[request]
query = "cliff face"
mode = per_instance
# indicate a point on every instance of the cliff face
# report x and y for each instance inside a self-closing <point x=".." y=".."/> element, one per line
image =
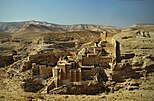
<point x="136" y="52"/>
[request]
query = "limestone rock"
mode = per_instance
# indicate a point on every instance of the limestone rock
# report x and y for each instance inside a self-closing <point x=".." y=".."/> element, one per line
<point x="122" y="71"/>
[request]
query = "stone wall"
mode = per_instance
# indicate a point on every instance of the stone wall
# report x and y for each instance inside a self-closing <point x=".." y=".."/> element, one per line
<point x="87" y="61"/>
<point x="45" y="58"/>
<point x="106" y="59"/>
<point x="105" y="36"/>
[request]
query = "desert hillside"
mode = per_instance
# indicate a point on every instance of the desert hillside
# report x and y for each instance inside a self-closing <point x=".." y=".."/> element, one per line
<point x="113" y="63"/>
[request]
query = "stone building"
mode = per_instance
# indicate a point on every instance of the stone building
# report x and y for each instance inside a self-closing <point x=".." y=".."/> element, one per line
<point x="86" y="65"/>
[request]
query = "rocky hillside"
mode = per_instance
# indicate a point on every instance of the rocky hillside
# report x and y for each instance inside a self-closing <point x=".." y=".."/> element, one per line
<point x="37" y="26"/>
<point x="136" y="45"/>
<point x="132" y="77"/>
<point x="35" y="36"/>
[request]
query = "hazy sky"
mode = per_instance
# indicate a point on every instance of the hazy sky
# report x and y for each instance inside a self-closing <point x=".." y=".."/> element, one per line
<point x="120" y="13"/>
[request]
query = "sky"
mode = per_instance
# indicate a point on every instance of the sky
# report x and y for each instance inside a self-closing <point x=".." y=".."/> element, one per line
<point x="119" y="13"/>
